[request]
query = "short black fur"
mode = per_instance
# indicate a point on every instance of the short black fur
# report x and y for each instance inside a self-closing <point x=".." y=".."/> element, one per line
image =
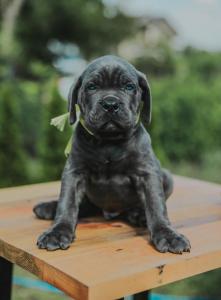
<point x="114" y="169"/>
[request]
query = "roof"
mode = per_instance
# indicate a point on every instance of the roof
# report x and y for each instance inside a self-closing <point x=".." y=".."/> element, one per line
<point x="144" y="22"/>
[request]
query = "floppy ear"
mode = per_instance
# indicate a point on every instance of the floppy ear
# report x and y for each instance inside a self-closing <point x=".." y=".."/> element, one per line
<point x="73" y="99"/>
<point x="146" y="98"/>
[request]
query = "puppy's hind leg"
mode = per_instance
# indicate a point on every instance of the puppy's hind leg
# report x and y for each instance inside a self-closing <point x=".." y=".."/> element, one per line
<point x="136" y="216"/>
<point x="45" y="210"/>
<point x="167" y="183"/>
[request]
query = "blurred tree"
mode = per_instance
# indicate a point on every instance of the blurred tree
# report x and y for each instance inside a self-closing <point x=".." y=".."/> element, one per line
<point x="186" y="120"/>
<point x="9" y="10"/>
<point x="31" y="109"/>
<point x="206" y="64"/>
<point x="53" y="157"/>
<point x="89" y="24"/>
<point x="158" y="61"/>
<point x="12" y="160"/>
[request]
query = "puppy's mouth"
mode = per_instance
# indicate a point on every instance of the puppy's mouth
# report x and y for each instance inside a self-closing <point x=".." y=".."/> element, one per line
<point x="110" y="130"/>
<point x="110" y="126"/>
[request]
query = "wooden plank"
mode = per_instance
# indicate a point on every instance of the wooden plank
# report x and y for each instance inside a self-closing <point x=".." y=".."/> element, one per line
<point x="110" y="260"/>
<point x="29" y="192"/>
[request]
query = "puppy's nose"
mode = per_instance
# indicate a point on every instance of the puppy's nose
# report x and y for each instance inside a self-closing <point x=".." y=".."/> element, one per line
<point x="110" y="104"/>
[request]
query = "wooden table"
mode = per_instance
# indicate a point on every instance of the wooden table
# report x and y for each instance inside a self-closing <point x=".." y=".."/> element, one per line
<point x="110" y="260"/>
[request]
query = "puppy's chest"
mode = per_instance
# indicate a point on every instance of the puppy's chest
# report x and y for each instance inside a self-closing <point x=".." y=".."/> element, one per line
<point x="109" y="183"/>
<point x="111" y="190"/>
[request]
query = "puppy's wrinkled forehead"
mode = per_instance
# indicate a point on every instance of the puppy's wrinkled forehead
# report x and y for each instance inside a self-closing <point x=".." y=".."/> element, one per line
<point x="108" y="72"/>
<point x="115" y="73"/>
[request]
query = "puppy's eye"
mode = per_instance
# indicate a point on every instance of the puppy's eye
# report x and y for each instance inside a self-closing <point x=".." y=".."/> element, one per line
<point x="91" y="87"/>
<point x="130" y="87"/>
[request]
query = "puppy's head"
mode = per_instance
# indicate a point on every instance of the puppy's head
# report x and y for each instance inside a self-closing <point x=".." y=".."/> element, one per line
<point x="111" y="95"/>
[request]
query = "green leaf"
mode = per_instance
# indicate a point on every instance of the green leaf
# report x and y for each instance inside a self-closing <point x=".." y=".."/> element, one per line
<point x="60" y="121"/>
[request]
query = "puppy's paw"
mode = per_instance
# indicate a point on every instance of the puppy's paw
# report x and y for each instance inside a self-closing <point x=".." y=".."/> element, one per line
<point x="58" y="237"/>
<point x="46" y="210"/>
<point x="168" y="239"/>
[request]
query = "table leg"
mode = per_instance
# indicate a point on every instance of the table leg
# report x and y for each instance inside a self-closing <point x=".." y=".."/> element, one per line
<point x="142" y="296"/>
<point x="5" y="278"/>
<point x="139" y="296"/>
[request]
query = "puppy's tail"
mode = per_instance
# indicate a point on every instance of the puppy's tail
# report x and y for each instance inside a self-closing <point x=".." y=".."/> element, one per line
<point x="167" y="183"/>
<point x="46" y="210"/>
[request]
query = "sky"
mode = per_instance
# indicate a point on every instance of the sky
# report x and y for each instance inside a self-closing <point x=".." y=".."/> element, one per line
<point x="197" y="22"/>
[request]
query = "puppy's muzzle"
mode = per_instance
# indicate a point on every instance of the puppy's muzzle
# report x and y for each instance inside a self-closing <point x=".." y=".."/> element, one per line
<point x="110" y="104"/>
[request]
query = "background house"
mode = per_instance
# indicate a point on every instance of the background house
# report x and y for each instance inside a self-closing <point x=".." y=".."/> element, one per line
<point x="149" y="33"/>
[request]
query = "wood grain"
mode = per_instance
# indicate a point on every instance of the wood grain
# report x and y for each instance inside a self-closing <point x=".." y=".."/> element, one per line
<point x="110" y="260"/>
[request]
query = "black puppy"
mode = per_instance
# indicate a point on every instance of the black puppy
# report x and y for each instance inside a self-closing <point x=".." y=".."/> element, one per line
<point x="111" y="167"/>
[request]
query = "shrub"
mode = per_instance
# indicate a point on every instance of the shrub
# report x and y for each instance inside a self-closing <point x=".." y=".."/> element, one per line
<point x="157" y="62"/>
<point x="186" y="118"/>
<point x="12" y="157"/>
<point x="54" y="141"/>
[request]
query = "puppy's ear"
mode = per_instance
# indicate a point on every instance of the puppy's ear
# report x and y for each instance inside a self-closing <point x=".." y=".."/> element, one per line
<point x="146" y="98"/>
<point x="73" y="99"/>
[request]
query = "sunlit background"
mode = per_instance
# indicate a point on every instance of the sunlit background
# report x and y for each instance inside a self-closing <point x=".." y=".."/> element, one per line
<point x="45" y="45"/>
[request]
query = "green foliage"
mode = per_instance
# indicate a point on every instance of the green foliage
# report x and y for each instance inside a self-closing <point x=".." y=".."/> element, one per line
<point x="186" y="123"/>
<point x="12" y="160"/>
<point x="206" y="65"/>
<point x="185" y="129"/>
<point x="54" y="141"/>
<point x="31" y="107"/>
<point x="208" y="169"/>
<point x="83" y="22"/>
<point x="186" y="86"/>
<point x="158" y="62"/>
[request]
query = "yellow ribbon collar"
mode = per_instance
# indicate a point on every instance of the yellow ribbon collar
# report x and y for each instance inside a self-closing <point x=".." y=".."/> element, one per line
<point x="60" y="121"/>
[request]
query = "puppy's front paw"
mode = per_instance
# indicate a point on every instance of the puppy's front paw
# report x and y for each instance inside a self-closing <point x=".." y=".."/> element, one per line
<point x="58" y="237"/>
<point x="168" y="239"/>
